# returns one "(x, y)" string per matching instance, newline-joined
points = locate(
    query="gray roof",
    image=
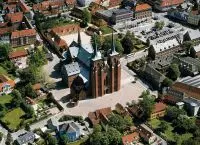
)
(192, 81)
(70, 127)
(73, 51)
(194, 34)
(72, 68)
(26, 138)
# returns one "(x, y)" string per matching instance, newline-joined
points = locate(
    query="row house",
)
(52, 7)
(164, 5)
(64, 30)
(6, 85)
(15, 19)
(143, 11)
(23, 37)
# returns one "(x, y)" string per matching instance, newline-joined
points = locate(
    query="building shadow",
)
(60, 85)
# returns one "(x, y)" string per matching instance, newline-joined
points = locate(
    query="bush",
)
(70, 117)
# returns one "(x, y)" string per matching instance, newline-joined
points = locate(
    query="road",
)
(158, 137)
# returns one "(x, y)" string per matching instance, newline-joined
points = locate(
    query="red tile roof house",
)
(164, 5)
(99, 115)
(64, 30)
(15, 19)
(143, 11)
(6, 85)
(130, 139)
(19, 58)
(23, 37)
(158, 111)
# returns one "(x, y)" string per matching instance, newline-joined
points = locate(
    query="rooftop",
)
(192, 81)
(142, 7)
(127, 139)
(15, 17)
(17, 54)
(23, 33)
(72, 68)
(27, 137)
(158, 107)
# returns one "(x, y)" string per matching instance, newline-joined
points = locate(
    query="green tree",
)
(9, 139)
(5, 49)
(51, 140)
(29, 91)
(193, 53)
(167, 82)
(159, 25)
(173, 112)
(184, 123)
(148, 42)
(151, 53)
(163, 126)
(118, 122)
(191, 141)
(99, 138)
(114, 136)
(86, 15)
(64, 140)
(16, 98)
(98, 40)
(97, 128)
(27, 127)
(28, 109)
(38, 58)
(2, 110)
(107, 45)
(173, 72)
(147, 104)
(1, 136)
(127, 45)
(187, 46)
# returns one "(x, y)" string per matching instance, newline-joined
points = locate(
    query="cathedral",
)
(89, 74)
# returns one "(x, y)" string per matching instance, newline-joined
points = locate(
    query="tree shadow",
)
(60, 85)
(66, 99)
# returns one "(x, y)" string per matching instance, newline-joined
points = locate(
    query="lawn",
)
(3, 71)
(154, 123)
(106, 30)
(13, 118)
(5, 99)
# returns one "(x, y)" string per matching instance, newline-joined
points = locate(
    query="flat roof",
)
(72, 68)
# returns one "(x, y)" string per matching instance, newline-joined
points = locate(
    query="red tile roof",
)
(114, 3)
(4, 79)
(70, 2)
(23, 33)
(128, 139)
(24, 7)
(60, 42)
(15, 17)
(5, 30)
(45, 5)
(65, 29)
(142, 7)
(18, 54)
(158, 107)
(98, 115)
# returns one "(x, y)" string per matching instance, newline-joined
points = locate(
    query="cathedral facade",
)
(88, 73)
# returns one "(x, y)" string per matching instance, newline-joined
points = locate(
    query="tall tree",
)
(173, 112)
(51, 140)
(193, 53)
(173, 72)
(127, 44)
(16, 98)
(147, 104)
(5, 49)
(151, 52)
(9, 139)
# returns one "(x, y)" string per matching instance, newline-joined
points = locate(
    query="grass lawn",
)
(3, 71)
(21, 47)
(106, 30)
(79, 142)
(5, 99)
(140, 46)
(13, 118)
(154, 123)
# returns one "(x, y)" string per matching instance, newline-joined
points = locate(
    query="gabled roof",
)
(130, 138)
(24, 7)
(158, 107)
(64, 29)
(17, 54)
(23, 33)
(26, 138)
(72, 69)
(5, 80)
(15, 17)
(142, 7)
(70, 127)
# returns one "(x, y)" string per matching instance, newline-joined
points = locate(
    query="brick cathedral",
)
(89, 73)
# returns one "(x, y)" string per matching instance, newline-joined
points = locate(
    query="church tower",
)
(114, 68)
(97, 73)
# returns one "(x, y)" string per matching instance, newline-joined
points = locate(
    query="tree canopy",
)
(159, 25)
(173, 72)
(173, 112)
(151, 53)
